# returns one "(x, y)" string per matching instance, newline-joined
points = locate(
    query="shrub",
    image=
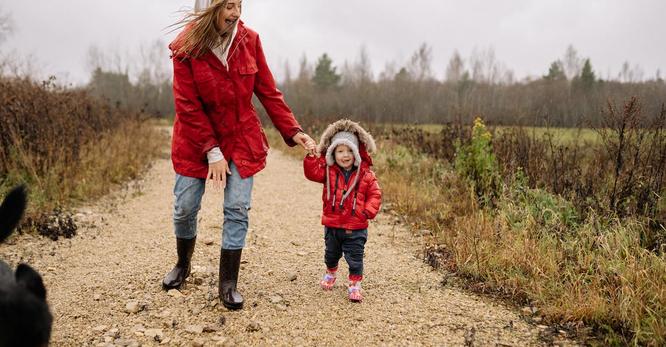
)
(476, 162)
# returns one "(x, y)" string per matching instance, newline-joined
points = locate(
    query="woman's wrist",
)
(214, 155)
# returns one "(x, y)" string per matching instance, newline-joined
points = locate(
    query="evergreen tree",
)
(587, 76)
(555, 72)
(325, 76)
(402, 75)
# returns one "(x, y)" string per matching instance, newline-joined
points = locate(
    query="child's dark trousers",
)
(351, 243)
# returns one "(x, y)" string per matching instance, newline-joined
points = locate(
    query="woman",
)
(218, 65)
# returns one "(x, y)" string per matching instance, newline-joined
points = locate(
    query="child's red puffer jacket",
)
(364, 201)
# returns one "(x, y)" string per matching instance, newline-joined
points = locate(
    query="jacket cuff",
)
(214, 155)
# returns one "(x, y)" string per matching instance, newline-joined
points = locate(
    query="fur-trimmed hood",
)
(366, 146)
(367, 142)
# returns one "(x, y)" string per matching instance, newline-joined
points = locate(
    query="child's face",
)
(344, 157)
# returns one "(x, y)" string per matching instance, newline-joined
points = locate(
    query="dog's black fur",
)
(25, 319)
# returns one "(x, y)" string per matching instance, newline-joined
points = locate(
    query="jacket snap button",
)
(244, 162)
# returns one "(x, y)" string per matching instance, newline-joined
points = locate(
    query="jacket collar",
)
(241, 33)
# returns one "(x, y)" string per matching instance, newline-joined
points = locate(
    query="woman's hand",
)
(217, 172)
(306, 142)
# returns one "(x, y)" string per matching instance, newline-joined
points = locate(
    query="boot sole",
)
(233, 306)
(174, 286)
(168, 287)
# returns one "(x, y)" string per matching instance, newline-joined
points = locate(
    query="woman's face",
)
(344, 157)
(229, 14)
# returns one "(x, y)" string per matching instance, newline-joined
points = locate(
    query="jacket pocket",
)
(248, 69)
(247, 73)
(256, 140)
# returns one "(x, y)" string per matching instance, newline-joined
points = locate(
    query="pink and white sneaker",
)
(328, 281)
(355, 292)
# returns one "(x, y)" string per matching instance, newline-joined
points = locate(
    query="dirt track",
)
(126, 244)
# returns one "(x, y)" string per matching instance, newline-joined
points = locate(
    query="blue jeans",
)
(188, 192)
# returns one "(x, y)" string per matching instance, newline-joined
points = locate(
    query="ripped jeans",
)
(237, 195)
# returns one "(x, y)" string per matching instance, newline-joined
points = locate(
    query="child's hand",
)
(306, 142)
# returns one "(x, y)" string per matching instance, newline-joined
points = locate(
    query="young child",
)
(351, 197)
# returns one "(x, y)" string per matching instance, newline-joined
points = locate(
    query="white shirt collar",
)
(224, 55)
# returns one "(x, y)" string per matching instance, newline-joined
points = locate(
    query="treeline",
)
(145, 95)
(140, 83)
(569, 94)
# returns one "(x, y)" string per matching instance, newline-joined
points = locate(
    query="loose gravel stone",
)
(194, 329)
(132, 307)
(253, 326)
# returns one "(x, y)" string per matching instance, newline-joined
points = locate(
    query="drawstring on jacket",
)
(354, 203)
(345, 194)
(335, 191)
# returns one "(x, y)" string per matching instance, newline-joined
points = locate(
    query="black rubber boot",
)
(229, 266)
(176, 277)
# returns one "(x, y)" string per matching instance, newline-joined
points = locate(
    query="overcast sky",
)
(527, 35)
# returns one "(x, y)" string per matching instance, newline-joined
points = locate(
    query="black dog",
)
(25, 319)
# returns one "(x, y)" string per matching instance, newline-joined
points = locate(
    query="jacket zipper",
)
(231, 54)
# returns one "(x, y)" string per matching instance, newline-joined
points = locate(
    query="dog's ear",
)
(29, 279)
(11, 211)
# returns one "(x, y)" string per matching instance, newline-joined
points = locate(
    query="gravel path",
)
(104, 285)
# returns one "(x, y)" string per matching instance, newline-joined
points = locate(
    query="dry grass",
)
(67, 147)
(595, 272)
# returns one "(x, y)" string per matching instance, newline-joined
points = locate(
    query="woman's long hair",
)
(203, 33)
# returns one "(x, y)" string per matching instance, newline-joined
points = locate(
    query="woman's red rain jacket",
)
(368, 197)
(214, 107)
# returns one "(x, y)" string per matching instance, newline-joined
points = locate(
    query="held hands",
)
(306, 142)
(217, 172)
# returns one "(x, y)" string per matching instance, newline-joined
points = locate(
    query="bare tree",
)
(629, 74)
(508, 76)
(419, 66)
(389, 72)
(113, 61)
(287, 72)
(638, 73)
(487, 69)
(95, 59)
(304, 69)
(6, 25)
(456, 68)
(573, 64)
(362, 67)
(625, 73)
(154, 61)
(360, 71)
(347, 74)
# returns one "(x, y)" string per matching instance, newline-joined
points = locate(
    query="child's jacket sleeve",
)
(315, 168)
(373, 197)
